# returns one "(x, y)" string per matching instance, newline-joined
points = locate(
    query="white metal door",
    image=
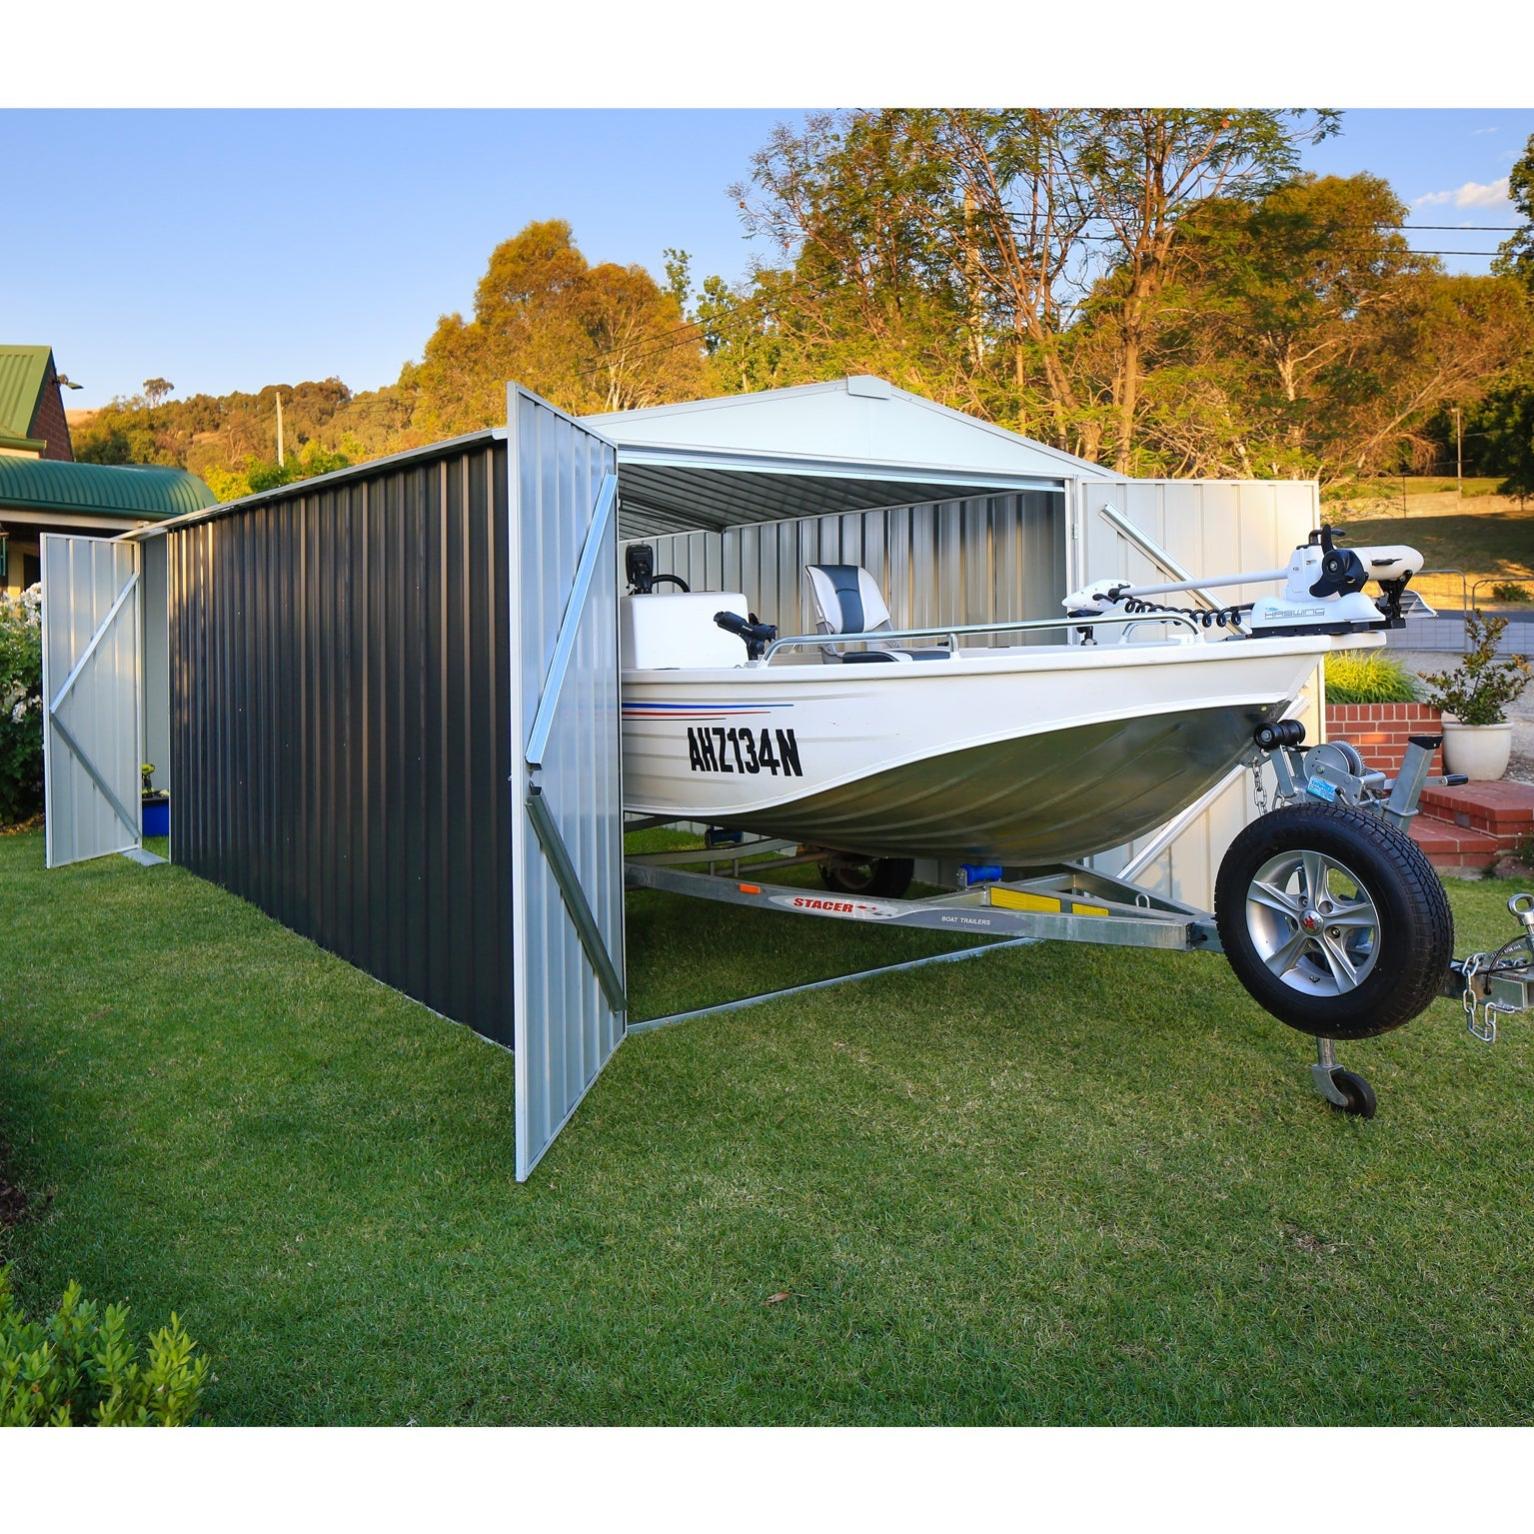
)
(91, 667)
(1156, 530)
(567, 798)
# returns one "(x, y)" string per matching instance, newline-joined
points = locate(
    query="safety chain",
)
(1481, 1015)
(1259, 792)
(1484, 1026)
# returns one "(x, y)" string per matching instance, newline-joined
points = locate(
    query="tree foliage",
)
(1516, 257)
(1161, 290)
(1502, 430)
(587, 338)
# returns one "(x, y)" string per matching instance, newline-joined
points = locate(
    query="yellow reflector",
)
(1026, 900)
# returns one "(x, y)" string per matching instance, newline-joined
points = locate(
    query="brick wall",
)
(50, 423)
(1381, 730)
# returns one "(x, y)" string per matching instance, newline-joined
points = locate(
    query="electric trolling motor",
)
(1323, 592)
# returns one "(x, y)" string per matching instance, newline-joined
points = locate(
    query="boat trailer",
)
(1336, 963)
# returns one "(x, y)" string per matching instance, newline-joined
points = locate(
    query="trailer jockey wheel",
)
(848, 875)
(1358, 1094)
(1334, 921)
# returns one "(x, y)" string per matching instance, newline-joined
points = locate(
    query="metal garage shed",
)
(389, 695)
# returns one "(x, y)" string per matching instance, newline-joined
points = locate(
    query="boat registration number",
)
(743, 750)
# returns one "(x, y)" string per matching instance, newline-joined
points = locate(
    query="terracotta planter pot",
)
(1480, 751)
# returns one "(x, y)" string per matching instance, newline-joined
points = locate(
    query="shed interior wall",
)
(976, 559)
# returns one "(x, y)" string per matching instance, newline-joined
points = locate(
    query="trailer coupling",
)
(1497, 984)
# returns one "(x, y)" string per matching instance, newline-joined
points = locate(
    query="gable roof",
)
(23, 370)
(820, 449)
(97, 489)
(863, 421)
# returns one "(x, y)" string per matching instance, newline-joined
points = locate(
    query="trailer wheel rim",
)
(1313, 923)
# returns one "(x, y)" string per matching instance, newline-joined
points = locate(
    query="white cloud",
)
(1477, 132)
(1473, 194)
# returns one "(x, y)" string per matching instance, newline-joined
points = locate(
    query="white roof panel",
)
(855, 426)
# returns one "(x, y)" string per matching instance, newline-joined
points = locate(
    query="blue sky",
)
(228, 250)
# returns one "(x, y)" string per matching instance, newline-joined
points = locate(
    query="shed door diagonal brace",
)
(538, 813)
(56, 703)
(1153, 551)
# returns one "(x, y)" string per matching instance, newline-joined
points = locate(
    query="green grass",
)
(1488, 537)
(1390, 487)
(1049, 1185)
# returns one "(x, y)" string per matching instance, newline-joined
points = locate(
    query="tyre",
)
(1360, 1095)
(1333, 920)
(874, 876)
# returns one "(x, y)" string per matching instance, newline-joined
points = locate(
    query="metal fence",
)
(1444, 630)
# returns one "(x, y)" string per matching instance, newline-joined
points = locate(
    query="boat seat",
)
(848, 601)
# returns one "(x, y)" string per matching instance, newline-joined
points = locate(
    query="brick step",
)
(1460, 851)
(1503, 809)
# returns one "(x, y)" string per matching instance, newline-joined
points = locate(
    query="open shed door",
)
(1158, 530)
(91, 666)
(567, 798)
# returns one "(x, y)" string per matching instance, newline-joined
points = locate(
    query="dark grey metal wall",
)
(340, 732)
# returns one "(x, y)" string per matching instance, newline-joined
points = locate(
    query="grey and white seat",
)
(848, 601)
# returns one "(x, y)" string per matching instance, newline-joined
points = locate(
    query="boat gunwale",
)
(1016, 658)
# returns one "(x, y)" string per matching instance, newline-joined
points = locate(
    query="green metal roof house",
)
(42, 488)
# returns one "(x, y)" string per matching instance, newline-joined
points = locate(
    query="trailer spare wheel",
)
(1333, 920)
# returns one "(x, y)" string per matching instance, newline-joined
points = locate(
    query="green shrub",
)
(80, 1368)
(21, 705)
(1479, 689)
(1368, 676)
(1509, 591)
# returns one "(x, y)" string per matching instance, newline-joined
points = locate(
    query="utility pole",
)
(1459, 453)
(281, 460)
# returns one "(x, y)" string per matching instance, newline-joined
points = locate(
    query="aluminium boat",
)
(857, 741)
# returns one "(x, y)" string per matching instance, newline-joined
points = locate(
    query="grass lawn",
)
(1487, 536)
(1049, 1185)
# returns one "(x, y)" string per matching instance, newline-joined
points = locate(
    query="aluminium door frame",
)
(534, 831)
(54, 699)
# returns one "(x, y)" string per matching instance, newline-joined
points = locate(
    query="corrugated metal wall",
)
(340, 741)
(984, 559)
(566, 1026)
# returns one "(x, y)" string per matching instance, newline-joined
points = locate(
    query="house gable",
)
(32, 420)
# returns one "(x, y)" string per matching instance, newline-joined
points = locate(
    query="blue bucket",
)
(157, 817)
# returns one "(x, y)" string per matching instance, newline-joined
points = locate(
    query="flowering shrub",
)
(21, 705)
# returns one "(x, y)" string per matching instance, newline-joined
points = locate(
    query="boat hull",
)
(1045, 798)
(1022, 757)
